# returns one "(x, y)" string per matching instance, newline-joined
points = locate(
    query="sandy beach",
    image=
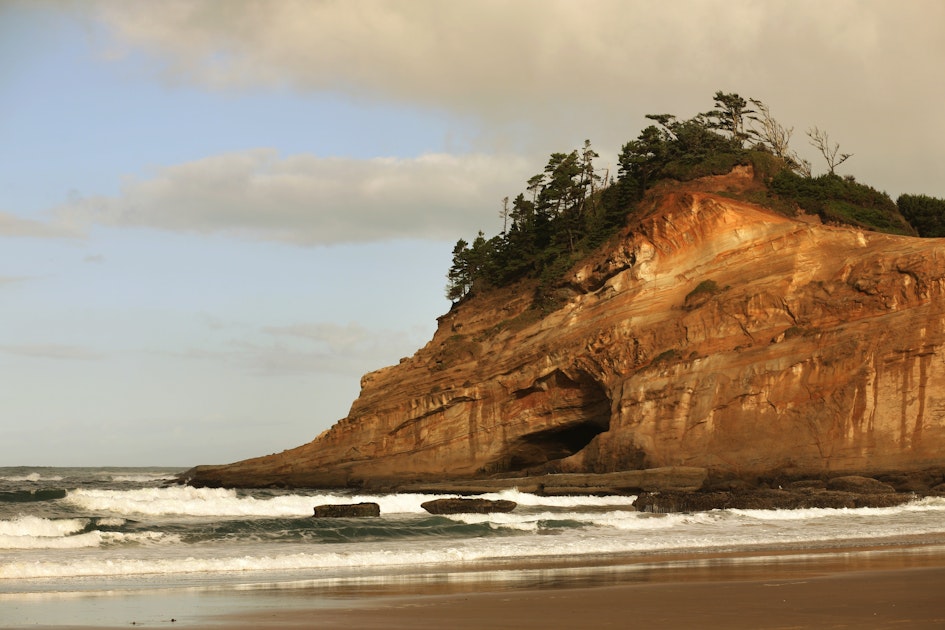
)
(876, 587)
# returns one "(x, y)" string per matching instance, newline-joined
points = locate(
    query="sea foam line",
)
(184, 500)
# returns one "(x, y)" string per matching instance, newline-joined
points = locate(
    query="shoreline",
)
(869, 585)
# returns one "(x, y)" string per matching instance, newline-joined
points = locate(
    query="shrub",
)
(926, 214)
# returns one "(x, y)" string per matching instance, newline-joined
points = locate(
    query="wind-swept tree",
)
(821, 141)
(769, 132)
(776, 138)
(730, 114)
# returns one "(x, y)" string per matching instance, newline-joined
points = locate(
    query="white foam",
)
(42, 527)
(623, 520)
(603, 533)
(187, 501)
(81, 541)
(567, 501)
(142, 477)
(926, 504)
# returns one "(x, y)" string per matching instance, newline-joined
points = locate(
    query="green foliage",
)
(564, 215)
(730, 115)
(568, 209)
(841, 200)
(926, 214)
(711, 164)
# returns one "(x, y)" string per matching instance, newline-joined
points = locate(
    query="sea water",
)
(86, 530)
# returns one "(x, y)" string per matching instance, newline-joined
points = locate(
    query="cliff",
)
(712, 333)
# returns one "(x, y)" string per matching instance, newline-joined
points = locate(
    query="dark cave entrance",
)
(542, 447)
(581, 409)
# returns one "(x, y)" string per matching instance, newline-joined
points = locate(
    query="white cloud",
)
(14, 226)
(555, 72)
(310, 200)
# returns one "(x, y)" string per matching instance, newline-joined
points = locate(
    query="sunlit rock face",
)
(710, 333)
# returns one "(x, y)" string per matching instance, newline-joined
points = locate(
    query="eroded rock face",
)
(813, 350)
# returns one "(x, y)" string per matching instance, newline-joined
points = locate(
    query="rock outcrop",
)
(347, 510)
(468, 506)
(711, 333)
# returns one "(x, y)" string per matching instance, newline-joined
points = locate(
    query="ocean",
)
(82, 532)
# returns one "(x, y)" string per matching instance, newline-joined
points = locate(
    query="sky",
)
(216, 216)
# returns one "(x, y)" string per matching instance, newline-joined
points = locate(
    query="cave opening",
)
(542, 447)
(581, 410)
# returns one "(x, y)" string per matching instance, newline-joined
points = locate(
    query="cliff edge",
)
(712, 333)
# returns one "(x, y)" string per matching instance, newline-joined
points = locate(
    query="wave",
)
(142, 477)
(220, 502)
(187, 501)
(620, 520)
(568, 501)
(32, 496)
(925, 504)
(32, 477)
(95, 538)
(381, 556)
(33, 532)
(111, 546)
(36, 526)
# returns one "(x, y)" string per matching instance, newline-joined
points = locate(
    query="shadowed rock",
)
(350, 510)
(763, 499)
(467, 506)
(860, 485)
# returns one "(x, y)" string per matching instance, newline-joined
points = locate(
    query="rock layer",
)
(712, 333)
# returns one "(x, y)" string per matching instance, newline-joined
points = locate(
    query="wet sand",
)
(888, 587)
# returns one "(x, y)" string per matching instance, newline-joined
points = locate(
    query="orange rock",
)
(813, 349)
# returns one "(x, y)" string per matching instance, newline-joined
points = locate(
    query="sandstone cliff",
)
(711, 333)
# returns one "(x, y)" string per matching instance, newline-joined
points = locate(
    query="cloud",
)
(537, 51)
(551, 73)
(52, 351)
(14, 226)
(500, 56)
(310, 200)
(312, 348)
(334, 337)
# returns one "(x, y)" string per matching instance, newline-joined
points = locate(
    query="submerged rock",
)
(763, 499)
(349, 510)
(468, 506)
